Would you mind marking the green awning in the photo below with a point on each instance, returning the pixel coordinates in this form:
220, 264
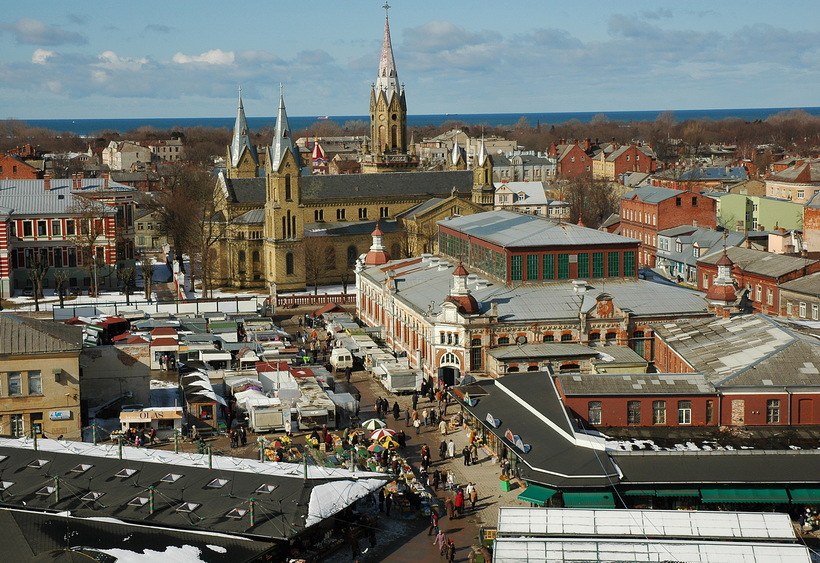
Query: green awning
744, 495
805, 495
537, 494
677, 493
589, 500
639, 493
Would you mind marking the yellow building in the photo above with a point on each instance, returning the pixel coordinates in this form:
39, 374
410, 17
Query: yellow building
39, 377
293, 229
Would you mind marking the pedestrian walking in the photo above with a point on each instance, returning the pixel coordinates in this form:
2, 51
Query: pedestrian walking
450, 507
451, 551
442, 427
243, 435
425, 416
441, 542
433, 522
388, 502
459, 503
473, 453
406, 417
415, 399
451, 449
473, 497
417, 426
288, 427
152, 435
442, 449
436, 479
396, 410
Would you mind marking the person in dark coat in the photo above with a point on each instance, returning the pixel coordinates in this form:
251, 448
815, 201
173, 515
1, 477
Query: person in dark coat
396, 410
450, 507
442, 450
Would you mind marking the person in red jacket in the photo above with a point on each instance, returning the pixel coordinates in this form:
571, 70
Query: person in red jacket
459, 503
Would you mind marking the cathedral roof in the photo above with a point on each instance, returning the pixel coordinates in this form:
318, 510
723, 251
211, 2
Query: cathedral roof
245, 190
282, 138
385, 186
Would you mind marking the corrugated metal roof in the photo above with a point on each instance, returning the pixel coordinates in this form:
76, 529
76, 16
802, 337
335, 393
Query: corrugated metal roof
24, 335
29, 197
637, 384
652, 194
759, 262
519, 230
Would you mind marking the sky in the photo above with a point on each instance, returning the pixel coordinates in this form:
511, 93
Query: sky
92, 59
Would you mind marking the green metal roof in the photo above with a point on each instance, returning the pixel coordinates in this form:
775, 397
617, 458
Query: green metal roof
537, 494
677, 493
805, 495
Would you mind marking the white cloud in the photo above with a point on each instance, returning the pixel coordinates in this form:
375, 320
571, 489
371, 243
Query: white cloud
40, 56
212, 57
110, 60
31, 31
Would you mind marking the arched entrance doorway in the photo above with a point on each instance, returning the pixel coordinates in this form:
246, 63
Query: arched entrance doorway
449, 369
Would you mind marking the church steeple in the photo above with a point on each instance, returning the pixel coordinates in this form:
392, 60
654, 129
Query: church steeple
243, 161
388, 116
282, 139
388, 79
483, 187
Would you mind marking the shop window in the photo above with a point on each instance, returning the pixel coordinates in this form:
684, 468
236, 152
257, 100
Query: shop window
15, 383
594, 412
658, 412
633, 412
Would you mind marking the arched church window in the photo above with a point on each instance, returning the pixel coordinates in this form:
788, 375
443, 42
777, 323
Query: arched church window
352, 255
287, 188
289, 263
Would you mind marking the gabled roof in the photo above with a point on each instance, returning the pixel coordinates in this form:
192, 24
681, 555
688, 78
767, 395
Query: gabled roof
803, 173
244, 190
519, 230
533, 191
24, 335
29, 197
759, 262
809, 285
385, 186
746, 350
252, 217
652, 194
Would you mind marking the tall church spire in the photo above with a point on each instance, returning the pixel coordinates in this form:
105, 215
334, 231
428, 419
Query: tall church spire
282, 139
388, 80
241, 140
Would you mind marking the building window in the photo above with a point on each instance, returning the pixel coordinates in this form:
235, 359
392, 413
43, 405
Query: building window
789, 308
658, 412
710, 412
597, 264
503, 340
17, 428
583, 265
638, 342
759, 293
42, 228
475, 353
28, 229
594, 412
611, 337
352, 255
363, 213
319, 215
633, 412
289, 263
814, 312
694, 202
614, 266
549, 337
56, 229
563, 266
629, 263
340, 214
516, 265
802, 310
769, 296
594, 338
684, 412
15, 383
532, 266
384, 212
70, 229
678, 201
566, 338
549, 267
773, 411
35, 383
288, 195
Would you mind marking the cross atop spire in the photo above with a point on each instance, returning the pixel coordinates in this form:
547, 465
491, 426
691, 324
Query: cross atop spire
386, 7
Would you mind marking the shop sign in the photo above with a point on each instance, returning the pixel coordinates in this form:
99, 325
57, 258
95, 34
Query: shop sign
509, 435
494, 422
59, 415
519, 443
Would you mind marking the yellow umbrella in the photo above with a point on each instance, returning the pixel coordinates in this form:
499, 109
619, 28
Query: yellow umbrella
389, 442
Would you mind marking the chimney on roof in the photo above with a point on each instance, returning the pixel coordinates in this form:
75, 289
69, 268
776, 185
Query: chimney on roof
694, 222
47, 181
106, 179
77, 181
587, 144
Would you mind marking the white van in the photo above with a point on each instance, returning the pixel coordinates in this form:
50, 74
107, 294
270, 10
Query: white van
341, 359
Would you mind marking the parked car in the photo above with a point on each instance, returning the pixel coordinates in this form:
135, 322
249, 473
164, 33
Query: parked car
28, 292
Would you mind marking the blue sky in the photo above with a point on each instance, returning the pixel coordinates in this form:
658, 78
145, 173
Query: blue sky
187, 59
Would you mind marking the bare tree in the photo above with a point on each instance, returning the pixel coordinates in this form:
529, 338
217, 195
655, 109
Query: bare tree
320, 259
591, 201
90, 216
147, 269
128, 276
60, 277
36, 274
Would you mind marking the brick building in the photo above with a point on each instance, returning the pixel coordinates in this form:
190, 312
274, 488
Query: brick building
761, 273
647, 210
614, 160
14, 168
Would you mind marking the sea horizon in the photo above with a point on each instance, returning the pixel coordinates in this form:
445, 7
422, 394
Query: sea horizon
87, 127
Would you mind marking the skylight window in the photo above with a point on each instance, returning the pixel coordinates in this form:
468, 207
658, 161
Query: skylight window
45, 491
38, 463
138, 501
81, 468
3, 457
187, 507
171, 478
236, 513
266, 488
6, 485
217, 483
125, 473
91, 496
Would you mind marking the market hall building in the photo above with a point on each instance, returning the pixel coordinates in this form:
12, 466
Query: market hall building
563, 462
506, 279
